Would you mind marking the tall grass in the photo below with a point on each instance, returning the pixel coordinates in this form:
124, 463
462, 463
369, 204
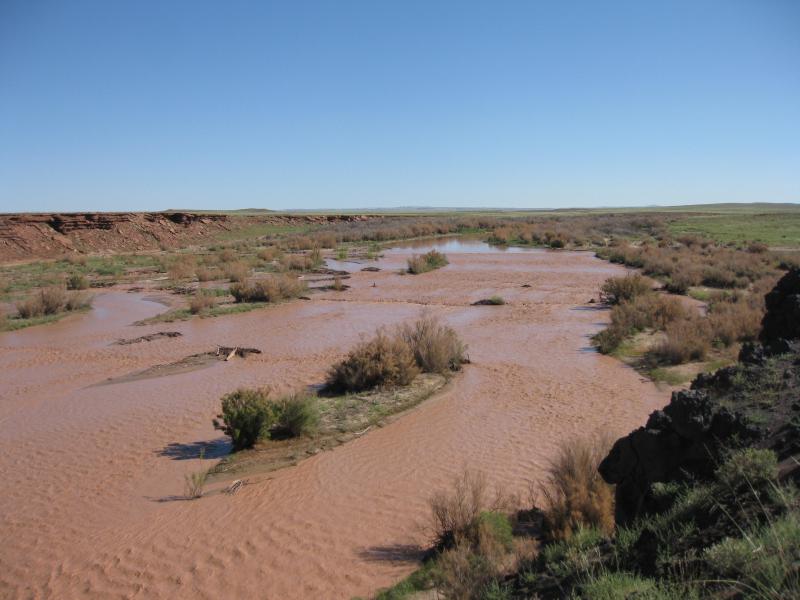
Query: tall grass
575, 496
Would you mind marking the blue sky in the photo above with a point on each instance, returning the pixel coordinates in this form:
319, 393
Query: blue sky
147, 105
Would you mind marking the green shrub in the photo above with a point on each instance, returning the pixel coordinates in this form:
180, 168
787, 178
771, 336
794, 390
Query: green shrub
427, 262
616, 290
380, 362
748, 468
295, 415
247, 416
763, 563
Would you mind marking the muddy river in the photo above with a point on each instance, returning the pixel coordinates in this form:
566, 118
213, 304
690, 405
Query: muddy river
91, 503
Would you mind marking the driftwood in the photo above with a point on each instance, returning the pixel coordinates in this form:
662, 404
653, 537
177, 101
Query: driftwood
229, 352
234, 487
149, 337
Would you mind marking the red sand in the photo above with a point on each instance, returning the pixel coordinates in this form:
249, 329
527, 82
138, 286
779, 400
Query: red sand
88, 499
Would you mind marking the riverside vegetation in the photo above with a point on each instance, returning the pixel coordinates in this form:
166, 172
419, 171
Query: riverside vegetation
716, 254
378, 378
701, 502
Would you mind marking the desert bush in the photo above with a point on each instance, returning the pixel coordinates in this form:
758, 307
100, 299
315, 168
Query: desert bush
383, 361
757, 248
616, 290
207, 274
182, 267
54, 299
200, 302
436, 348
269, 253
686, 340
454, 513
77, 301
648, 311
227, 255
49, 301
735, 321
246, 417
270, 289
295, 415
464, 574
236, 272
77, 259
679, 283
76, 281
575, 496
427, 262
491, 301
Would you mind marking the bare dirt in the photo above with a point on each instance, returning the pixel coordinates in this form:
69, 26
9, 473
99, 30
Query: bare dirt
93, 474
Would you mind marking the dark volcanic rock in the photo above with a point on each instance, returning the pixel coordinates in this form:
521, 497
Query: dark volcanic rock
782, 320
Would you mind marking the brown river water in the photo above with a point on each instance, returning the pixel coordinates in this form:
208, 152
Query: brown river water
90, 505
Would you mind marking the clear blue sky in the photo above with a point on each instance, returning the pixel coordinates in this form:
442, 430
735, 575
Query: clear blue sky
112, 105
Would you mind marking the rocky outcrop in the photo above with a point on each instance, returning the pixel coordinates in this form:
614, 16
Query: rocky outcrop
782, 319
51, 235
752, 403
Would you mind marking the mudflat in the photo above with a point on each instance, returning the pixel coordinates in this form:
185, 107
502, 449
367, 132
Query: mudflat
93, 474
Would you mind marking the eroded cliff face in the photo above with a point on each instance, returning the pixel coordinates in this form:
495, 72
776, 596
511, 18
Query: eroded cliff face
24, 236
753, 403
51, 235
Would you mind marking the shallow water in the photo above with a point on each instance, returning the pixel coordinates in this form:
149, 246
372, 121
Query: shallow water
93, 474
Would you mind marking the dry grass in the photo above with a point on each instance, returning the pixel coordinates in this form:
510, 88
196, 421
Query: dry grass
575, 495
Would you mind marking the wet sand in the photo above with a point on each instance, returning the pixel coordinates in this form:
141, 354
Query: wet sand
92, 475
